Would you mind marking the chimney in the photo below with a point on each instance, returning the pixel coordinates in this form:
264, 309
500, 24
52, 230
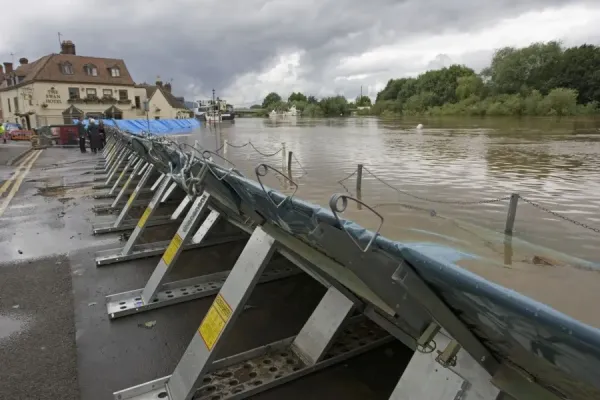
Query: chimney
168, 87
8, 67
23, 61
67, 47
158, 81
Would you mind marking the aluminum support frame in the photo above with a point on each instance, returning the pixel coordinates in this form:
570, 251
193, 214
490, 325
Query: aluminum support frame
442, 370
254, 371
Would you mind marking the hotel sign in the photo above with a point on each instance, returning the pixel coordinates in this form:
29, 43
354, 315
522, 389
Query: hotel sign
53, 97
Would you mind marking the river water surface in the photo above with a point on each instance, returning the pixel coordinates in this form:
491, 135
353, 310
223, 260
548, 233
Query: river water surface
553, 163
448, 184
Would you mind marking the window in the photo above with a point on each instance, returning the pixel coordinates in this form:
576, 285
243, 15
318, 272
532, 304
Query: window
115, 72
90, 69
123, 95
156, 117
90, 92
73, 93
9, 109
16, 100
66, 68
107, 92
138, 103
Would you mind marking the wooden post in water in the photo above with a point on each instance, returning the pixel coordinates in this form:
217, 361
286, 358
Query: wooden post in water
289, 165
283, 155
512, 213
359, 172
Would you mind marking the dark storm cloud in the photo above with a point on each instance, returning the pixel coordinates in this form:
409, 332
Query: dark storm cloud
209, 43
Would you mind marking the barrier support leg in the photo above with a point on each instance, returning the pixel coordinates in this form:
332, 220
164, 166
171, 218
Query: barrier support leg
321, 328
133, 174
221, 316
140, 227
158, 294
119, 162
115, 158
133, 161
120, 224
171, 255
249, 373
447, 374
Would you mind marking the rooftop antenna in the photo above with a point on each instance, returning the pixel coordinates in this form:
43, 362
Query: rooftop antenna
59, 42
12, 56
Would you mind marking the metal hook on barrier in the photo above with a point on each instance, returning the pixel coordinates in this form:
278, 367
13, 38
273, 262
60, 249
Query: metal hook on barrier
208, 163
335, 209
261, 170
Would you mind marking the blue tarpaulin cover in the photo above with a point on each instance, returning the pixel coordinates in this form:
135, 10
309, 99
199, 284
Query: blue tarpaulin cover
154, 126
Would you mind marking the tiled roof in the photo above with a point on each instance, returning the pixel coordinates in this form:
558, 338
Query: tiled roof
48, 68
172, 100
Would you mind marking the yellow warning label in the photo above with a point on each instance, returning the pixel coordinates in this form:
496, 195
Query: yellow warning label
130, 199
172, 249
222, 307
144, 217
213, 323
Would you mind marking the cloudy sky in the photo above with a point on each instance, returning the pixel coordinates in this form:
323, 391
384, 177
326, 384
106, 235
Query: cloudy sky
247, 48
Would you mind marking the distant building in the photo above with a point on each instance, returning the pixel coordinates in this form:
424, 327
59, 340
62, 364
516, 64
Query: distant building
57, 88
163, 104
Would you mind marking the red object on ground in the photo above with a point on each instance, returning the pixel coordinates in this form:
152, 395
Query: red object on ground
67, 135
20, 135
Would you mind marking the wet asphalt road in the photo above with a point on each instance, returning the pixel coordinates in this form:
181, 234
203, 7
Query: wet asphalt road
63, 345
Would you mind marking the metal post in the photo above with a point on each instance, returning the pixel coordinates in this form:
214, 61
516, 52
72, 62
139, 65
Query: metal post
512, 213
126, 185
283, 155
225, 145
171, 254
221, 316
318, 332
359, 173
132, 197
119, 162
142, 223
122, 174
289, 164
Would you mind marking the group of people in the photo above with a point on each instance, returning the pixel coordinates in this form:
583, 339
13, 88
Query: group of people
96, 134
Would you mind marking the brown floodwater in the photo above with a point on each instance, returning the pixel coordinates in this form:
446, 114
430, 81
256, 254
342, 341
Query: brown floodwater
437, 185
554, 163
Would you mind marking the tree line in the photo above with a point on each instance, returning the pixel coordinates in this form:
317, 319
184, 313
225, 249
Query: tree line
541, 79
310, 106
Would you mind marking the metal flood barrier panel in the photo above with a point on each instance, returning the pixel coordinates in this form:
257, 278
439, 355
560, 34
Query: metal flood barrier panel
489, 340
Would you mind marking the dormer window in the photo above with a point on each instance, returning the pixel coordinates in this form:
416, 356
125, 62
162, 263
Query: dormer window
66, 68
90, 70
115, 72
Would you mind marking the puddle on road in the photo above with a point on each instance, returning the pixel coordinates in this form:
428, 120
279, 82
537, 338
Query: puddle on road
11, 325
71, 191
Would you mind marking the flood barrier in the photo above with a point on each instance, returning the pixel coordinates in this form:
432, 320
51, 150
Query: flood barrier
471, 337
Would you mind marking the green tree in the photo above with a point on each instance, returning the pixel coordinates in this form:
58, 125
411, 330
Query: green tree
296, 97
312, 100
312, 110
271, 99
467, 86
335, 106
533, 67
364, 101
580, 70
560, 102
255, 106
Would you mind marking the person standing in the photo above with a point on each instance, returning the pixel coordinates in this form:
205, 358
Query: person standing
94, 135
82, 134
102, 134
